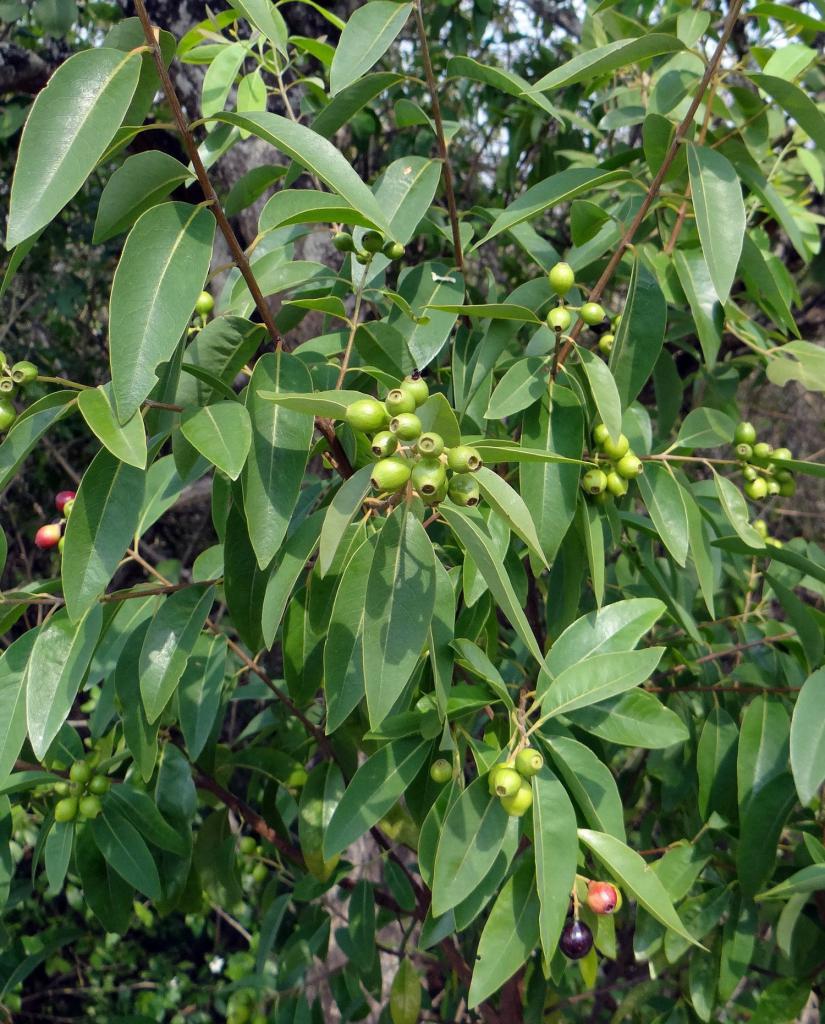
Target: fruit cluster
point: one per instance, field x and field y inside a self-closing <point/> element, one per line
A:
<point x="761" y="528"/>
<point x="407" y="454"/>
<point x="562" y="279"/>
<point x="763" y="478"/>
<point x="52" y="533"/>
<point x="248" y="848"/>
<point x="510" y="781"/>
<point x="602" y="898"/>
<point x="81" y="794"/>
<point x="373" y="242"/>
<point x="13" y="377"/>
<point x="617" y="466"/>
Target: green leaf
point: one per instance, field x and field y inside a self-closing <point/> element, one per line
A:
<point x="161" y="272"/>
<point x="308" y="206"/>
<point x="800" y="883"/>
<point x="501" y="79"/>
<point x="604" y="391"/>
<point x="399" y="607"/>
<point x="141" y="810"/>
<point x="474" y="535"/>
<point x="554" y="831"/>
<point x="614" y="628"/>
<point x="509" y="504"/>
<point x="558" y="188"/>
<point x="602" y="60"/>
<point x="705" y="428"/>
<point x="808" y="738"/>
<point x="423" y="286"/>
<point x="471" y="837"/>
<point x="100" y="529"/>
<point x="29" y="427"/>
<point x="375" y="787"/>
<point x="58" y="853"/>
<point x="126" y="442"/>
<point x="589" y="781"/>
<point x="494" y="311"/>
<point x="761" y="825"/>
<point x="200" y="691"/>
<point x="220" y="77"/>
<point x="405" y="191"/>
<point x="316" y="154"/>
<point x="763" y="748"/>
<point x="716" y="765"/>
<point x="437" y="415"/>
<point x="796" y="103"/>
<point x="736" y="510"/>
<point x="58" y="662"/>
<point x="635" y="719"/>
<point x="361" y="927"/>
<point x="597" y="678"/>
<point x="267" y="19"/>
<point x="405" y="991"/>
<point x="509" y="936"/>
<point x="13" y="663"/>
<point x="295" y="553"/>
<point x="169" y="641"/>
<point x="108" y="895"/>
<point x="638" y="878"/>
<point x="720" y="213"/>
<point x="125" y="851"/>
<point x="143" y="180"/>
<point x="367" y="36"/>
<point x="244" y="580"/>
<point x="332" y="404"/>
<point x="71" y="123"/>
<point x="222" y="348"/>
<point x="340" y="513"/>
<point x="504" y="450"/>
<point x="708" y="315"/>
<point x="639" y="339"/>
<point x="141" y="737"/>
<point x="221" y="432"/>
<point x="663" y="499"/>
<point x="281" y="439"/>
<point x="521" y="386"/>
<point x="319" y="797"/>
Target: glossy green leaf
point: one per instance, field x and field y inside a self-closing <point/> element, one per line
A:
<point x="143" y="180"/>
<point x="140" y="735"/>
<point x="634" y="719"/>
<point x="614" y="628"/>
<point x="29" y="427"/>
<point x="267" y="18"/>
<point x="810" y="879"/>
<point x="108" y="895"/>
<point x="589" y="782"/>
<point x="604" y="391"/>
<point x="808" y="738"/>
<point x="663" y="499"/>
<point x="307" y="206"/>
<point x="222" y="348"/>
<point x="795" y="102"/>
<point x="509" y="504"/>
<point x="522" y="385"/>
<point x="295" y="553"/>
<point x="127" y="441"/>
<point x="597" y="678"/>
<point x="221" y="432"/>
<point x="200" y="691"/>
<point x="319" y="798"/>
<point x="58" y="853"/>
<point x="142" y="811"/>
<point x="763" y="748"/>
<point x="423" y="286"/>
<point x="705" y="428"/>
<point x="695" y="279"/>
<point x="125" y="851"/>
<point x="736" y="510"/>
<point x="405" y="991"/>
<point x="405" y="191"/>
<point x="554" y="829"/>
<point x="244" y="580"/>
<point x="13" y="662"/>
<point x="601" y="60"/>
<point x="640" y="335"/>
<point x="340" y="513"/>
<point x="720" y="213"/>
<point x="716" y="765"/>
<point x="761" y="825"/>
<point x="367" y="36"/>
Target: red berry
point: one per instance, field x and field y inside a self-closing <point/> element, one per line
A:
<point x="576" y="940"/>
<point x="602" y="897"/>
<point x="62" y="497"/>
<point x="47" y="536"/>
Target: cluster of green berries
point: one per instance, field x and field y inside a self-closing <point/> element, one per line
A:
<point x="562" y="279"/>
<point x="248" y="848"/>
<point x="80" y="794"/>
<point x="618" y="465"/>
<point x="763" y="477"/>
<point x="12" y="378"/>
<point x="510" y="781"/>
<point x="51" y="534"/>
<point x="407" y="453"/>
<point x="761" y="528"/>
<point x="373" y="242"/>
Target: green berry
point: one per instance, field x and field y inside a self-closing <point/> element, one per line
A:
<point x="441" y="771"/>
<point x="592" y="313"/>
<point x="749" y="473"/>
<point x="430" y="444"/>
<point x="393" y="250"/>
<point x="463" y="490"/>
<point x="260" y="873"/>
<point x="559" y="318"/>
<point x="600" y="434"/>
<point x="417" y="387"/>
<point x="24" y="373"/>
<point x="80" y="772"/>
<point x="762" y="450"/>
<point x="204" y="304"/>
<point x="761" y="527"/>
<point x="529" y="761"/>
<point x="373" y="241"/>
<point x="782" y="454"/>
<point x="390" y="474"/>
<point x="8" y="414"/>
<point x="744" y="452"/>
<point x="616" y="484"/>
<point x="745" y="433"/>
<point x="756" y="489"/>
<point x="440" y="494"/>
<point x="629" y="466"/>
<point x="493" y="774"/>
<point x="67" y="508"/>
<point x="561" y="278"/>
<point x="66" y="809"/>
<point x="594" y="481"/>
<point x="62" y="788"/>
<point x="366" y="414"/>
<point x="363" y="258"/>
<point x="606" y="343"/>
<point x="520" y="803"/>
<point x="784" y="475"/>
<point x="463" y="459"/>
<point x="406" y="425"/>
<point x="399" y="400"/>
<point x="774" y="487"/>
<point x="99" y="785"/>
<point x="427" y="476"/>
<point x="7" y="386"/>
<point x="384" y="443"/>
<point x="787" y="488"/>
<point x="616" y="449"/>
<point x="343" y="242"/>
<point x="89" y="807"/>
<point x="508" y="782"/>
<point x="247" y="845"/>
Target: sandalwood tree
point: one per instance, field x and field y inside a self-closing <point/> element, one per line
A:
<point x="493" y="688"/>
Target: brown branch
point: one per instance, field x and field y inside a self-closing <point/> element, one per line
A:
<point x="655" y="185"/>
<point x="449" y="190"/>
<point x="734" y="649"/>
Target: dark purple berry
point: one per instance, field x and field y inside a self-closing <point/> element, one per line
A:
<point x="576" y="940"/>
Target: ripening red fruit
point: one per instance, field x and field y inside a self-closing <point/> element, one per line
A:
<point x="62" y="497"/>
<point x="602" y="897"/>
<point x="47" y="536"/>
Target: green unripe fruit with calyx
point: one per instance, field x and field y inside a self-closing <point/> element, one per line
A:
<point x="594" y="481"/>
<point x="616" y="449"/>
<point x="463" y="459"/>
<point x="24" y="373"/>
<point x="441" y="771"/>
<point x="562" y="278"/>
<point x="782" y="454"/>
<point x="204" y="304"/>
<point x="559" y="318"/>
<point x="427" y="476"/>
<point x="390" y="474"/>
<point x="749" y="473"/>
<point x="260" y="873"/>
<point x="491" y="775"/>
<point x="7" y="386"/>
<point x="629" y="466"/>
<point x="247" y="845"/>
<point x="89" y="807"/>
<point x="61" y="788"/>
<point x="762" y="450"/>
<point x="744" y="452"/>
<point x="373" y="241"/>
<point x="529" y="762"/>
<point x="343" y="242"/>
<point x="363" y="258"/>
<point x="774" y="487"/>
<point x="600" y="434"/>
<point x="66" y="809"/>
<point x="745" y="433"/>
<point x="417" y="387"/>
<point x="440" y="494"/>
<point x="617" y="485"/>
<point x="384" y="443"/>
<point x="430" y="445"/>
<point x="99" y="785"/>
<point x="393" y="250"/>
<point x="406" y="425"/>
<point x="463" y="490"/>
<point x="399" y="400"/>
<point x="366" y="414"/>
<point x="787" y="488"/>
<point x="8" y="414"/>
<point x="507" y="782"/>
<point x="80" y="772"/>
<point x="606" y="343"/>
<point x="783" y="475"/>
<point x="756" y="489"/>
<point x="521" y="801"/>
<point x="592" y="313"/>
